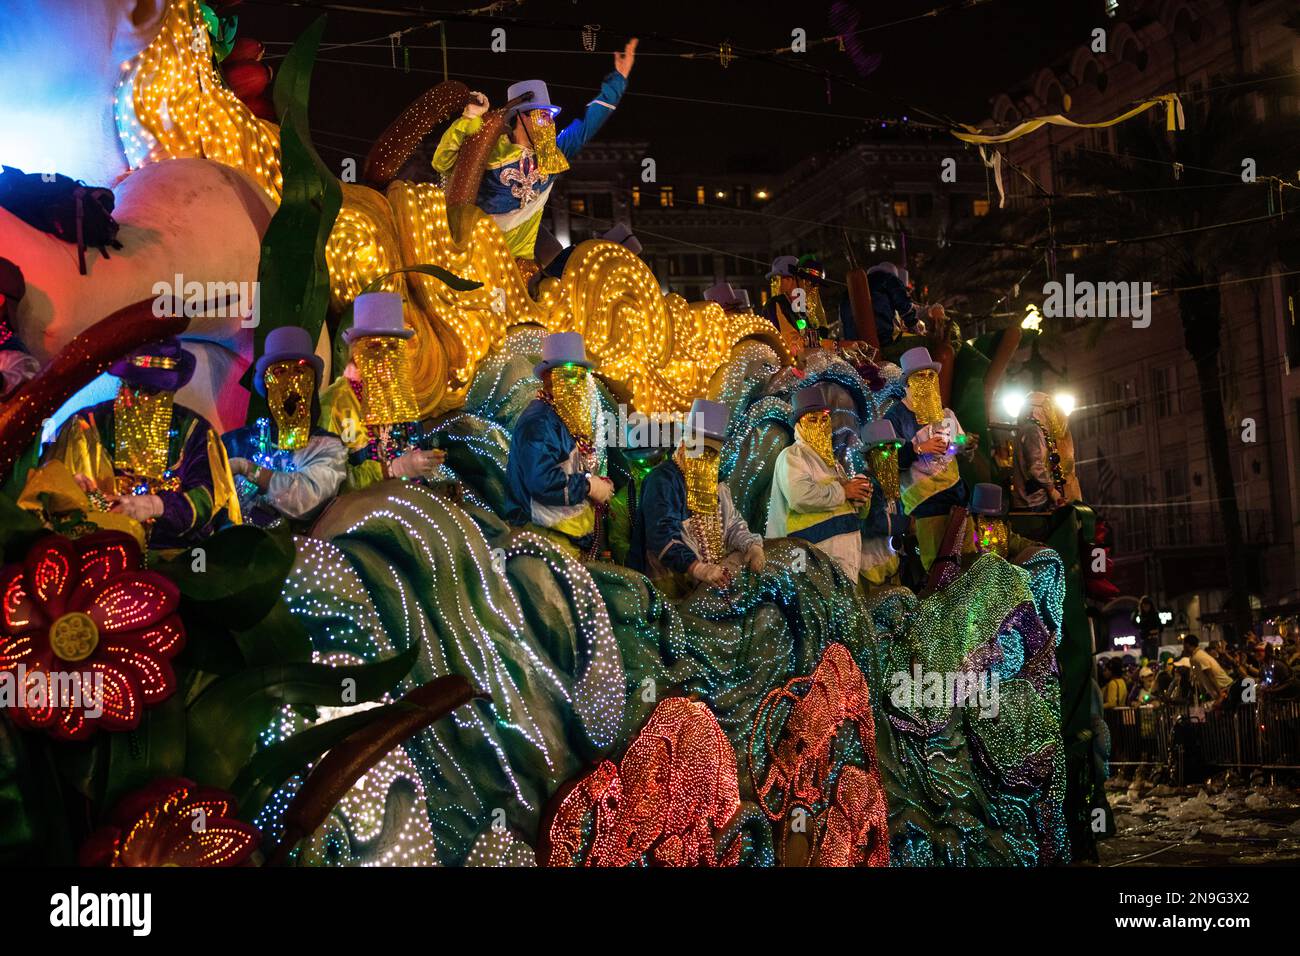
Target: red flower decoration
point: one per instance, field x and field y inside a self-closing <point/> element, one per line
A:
<point x="88" y="635"/>
<point x="172" y="822"/>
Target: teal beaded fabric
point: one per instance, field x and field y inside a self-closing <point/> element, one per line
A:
<point x="576" y="659"/>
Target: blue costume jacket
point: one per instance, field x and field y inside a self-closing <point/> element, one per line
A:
<point x="546" y="483"/>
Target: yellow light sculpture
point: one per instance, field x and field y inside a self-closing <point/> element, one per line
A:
<point x="172" y="103"/>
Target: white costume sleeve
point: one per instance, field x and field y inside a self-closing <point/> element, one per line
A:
<point x="321" y="470"/>
<point x="808" y="485"/>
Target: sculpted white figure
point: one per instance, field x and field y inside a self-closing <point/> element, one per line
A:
<point x="62" y="66"/>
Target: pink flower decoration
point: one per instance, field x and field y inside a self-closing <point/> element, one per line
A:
<point x="86" y="608"/>
<point x="172" y="822"/>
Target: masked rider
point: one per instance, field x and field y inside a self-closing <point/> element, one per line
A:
<point x="687" y="529"/>
<point x="813" y="498"/>
<point x="287" y="467"/>
<point x="932" y="437"/>
<point x="146" y="456"/>
<point x="553" y="480"/>
<point x="373" y="407"/>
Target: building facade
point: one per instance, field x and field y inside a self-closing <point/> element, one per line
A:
<point x="1138" y="429"/>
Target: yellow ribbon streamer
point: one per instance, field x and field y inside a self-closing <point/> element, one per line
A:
<point x="1174" y="120"/>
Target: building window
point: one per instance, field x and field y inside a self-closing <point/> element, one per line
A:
<point x="1132" y="404"/>
<point x="636" y="196"/>
<point x="1164" y="391"/>
<point x="902" y="207"/>
<point x="578" y="204"/>
<point x="980" y="207"/>
<point x="666" y="196"/>
<point x="699" y="195"/>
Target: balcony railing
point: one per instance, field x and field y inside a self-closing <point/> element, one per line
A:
<point x="1171" y="527"/>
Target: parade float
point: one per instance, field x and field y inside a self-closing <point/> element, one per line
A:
<point x="410" y="680"/>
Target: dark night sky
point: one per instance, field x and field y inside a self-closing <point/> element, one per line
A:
<point x="761" y="116"/>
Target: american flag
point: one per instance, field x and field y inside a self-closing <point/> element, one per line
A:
<point x="1105" y="477"/>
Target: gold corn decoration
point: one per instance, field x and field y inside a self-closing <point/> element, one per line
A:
<point x="387" y="395"/>
<point x="142" y="423"/>
<point x="289" y="387"/>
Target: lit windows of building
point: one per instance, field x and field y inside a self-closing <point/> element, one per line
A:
<point x="699" y="195"/>
<point x="902" y="207"/>
<point x="636" y="197"/>
<point x="980" y="207"/>
<point x="666" y="196"/>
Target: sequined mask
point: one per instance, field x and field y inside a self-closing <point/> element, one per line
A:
<point x="387" y="395"/>
<point x="571" y="396"/>
<point x="142" y="423"/>
<point x="289" y="387"/>
<point x="991" y="535"/>
<point x="701" y="473"/>
<point x="541" y="132"/>
<point x="814" y="430"/>
<point x="884" y="465"/>
<point x="923" y="397"/>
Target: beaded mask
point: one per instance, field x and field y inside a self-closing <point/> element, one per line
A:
<point x="142" y="423"/>
<point x="387" y="396"/>
<point x="884" y="465"/>
<point x="991" y="535"/>
<point x="814" y="429"/>
<point x="571" y="395"/>
<point x="289" y="387"/>
<point x="541" y="131"/>
<point x="923" y="396"/>
<point x="701" y="473"/>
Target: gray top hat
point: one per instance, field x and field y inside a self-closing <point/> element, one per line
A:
<point x="918" y="360"/>
<point x="622" y="234"/>
<point x="809" y="399"/>
<point x="879" y="432"/>
<point x="288" y="343"/>
<point x="562" y="348"/>
<point x="708" y="419"/>
<point x="783" y="266"/>
<point x="541" y="98"/>
<point x="986" y="499"/>
<point x="726" y="296"/>
<point x="377" y="313"/>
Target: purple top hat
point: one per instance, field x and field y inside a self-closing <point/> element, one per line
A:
<point x="377" y="313"/>
<point x="288" y="343"/>
<point x="562" y="348"/>
<point x="622" y="234"/>
<point x="163" y="365"/>
<point x="541" y="98"/>
<point x="810" y="399"/>
<point x="709" y="420"/>
<point x="917" y="360"/>
<point x="879" y="432"/>
<point x="783" y="266"/>
<point x="986" y="499"/>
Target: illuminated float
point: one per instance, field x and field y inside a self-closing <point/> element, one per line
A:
<point x="502" y="703"/>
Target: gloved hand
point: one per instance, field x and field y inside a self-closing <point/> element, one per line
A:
<point x="599" y="489"/>
<point x="417" y="463"/>
<point x="241" y="466"/>
<point x="714" y="574"/>
<point x="139" y="507"/>
<point x="477" y="105"/>
<point x="755" y="558"/>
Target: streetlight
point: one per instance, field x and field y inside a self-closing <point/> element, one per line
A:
<point x="1012" y="403"/>
<point x="1065" y="402"/>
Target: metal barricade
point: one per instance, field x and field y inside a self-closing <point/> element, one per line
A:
<point x="1263" y="735"/>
